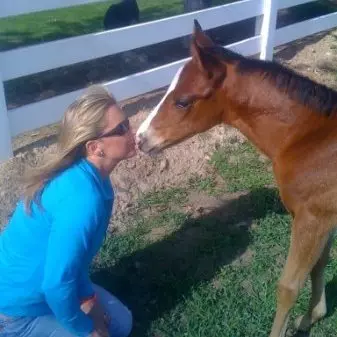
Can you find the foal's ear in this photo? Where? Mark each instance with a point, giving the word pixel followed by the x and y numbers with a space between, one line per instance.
pixel 202 53
pixel 200 38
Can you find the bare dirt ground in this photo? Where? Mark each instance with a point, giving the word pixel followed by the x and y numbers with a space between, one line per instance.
pixel 314 56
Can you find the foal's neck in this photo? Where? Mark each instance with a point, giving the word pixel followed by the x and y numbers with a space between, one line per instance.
pixel 264 114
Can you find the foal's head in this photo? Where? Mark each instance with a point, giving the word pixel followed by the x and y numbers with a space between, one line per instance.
pixel 192 103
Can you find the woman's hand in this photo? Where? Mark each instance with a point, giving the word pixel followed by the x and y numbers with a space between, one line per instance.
pixel 96 334
pixel 101 320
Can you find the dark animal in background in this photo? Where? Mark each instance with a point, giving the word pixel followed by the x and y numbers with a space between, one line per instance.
pixel 124 13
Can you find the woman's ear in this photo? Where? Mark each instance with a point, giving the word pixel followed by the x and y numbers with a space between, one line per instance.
pixel 91 147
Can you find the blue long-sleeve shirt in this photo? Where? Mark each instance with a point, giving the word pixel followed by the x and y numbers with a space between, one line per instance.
pixel 45 256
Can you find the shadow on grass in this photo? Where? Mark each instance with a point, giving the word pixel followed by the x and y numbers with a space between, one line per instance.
pixel 331 296
pixel 153 280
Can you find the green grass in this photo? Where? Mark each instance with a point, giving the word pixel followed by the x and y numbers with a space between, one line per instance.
pixel 73 21
pixel 214 275
pixel 241 168
pixel 164 197
pixel 203 184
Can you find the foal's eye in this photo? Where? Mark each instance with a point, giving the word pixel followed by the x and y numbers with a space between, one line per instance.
pixel 182 103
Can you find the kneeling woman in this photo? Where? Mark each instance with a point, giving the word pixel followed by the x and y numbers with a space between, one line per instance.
pixel 58 227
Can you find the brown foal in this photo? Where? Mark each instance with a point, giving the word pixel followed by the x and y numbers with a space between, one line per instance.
pixel 288 117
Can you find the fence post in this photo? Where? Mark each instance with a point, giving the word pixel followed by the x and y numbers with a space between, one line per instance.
pixel 268 28
pixel 6 151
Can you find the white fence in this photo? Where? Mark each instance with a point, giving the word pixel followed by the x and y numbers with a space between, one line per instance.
pixel 33 59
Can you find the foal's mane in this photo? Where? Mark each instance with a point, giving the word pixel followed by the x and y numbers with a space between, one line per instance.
pixel 298 87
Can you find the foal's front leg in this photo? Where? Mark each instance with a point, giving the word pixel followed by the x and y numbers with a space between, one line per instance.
pixel 305 250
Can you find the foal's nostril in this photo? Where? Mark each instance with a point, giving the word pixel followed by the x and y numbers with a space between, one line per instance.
pixel 142 143
pixel 140 139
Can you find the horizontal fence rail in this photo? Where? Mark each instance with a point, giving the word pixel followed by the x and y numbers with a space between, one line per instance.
pixel 31 60
pixel 305 28
pixel 50 110
pixel 47 56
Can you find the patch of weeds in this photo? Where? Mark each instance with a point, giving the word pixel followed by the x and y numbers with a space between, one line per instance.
pixel 203 184
pixel 182 276
pixel 241 167
pixel 239 300
pixel 164 197
pixel 169 218
pixel 117 246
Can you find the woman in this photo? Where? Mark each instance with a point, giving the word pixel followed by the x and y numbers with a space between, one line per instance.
pixel 58 227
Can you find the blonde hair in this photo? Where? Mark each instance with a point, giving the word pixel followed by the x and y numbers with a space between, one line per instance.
pixel 83 120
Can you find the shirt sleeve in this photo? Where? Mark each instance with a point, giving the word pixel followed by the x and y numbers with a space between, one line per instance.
pixel 74 224
pixel 85 288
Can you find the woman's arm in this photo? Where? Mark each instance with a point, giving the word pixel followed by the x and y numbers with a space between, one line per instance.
pixel 85 288
pixel 75 222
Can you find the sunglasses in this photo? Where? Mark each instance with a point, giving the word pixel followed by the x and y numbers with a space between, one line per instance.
pixel 120 130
